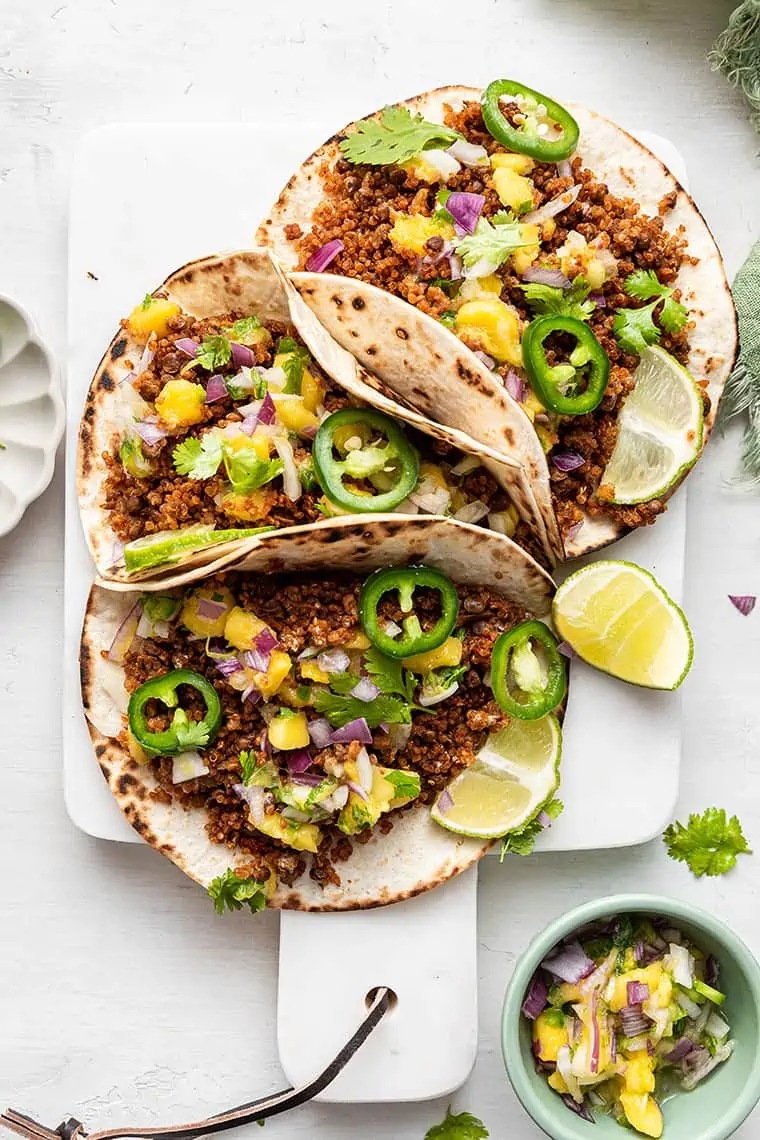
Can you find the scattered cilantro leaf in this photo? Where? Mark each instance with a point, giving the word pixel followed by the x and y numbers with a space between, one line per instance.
pixel 490 245
pixel 464 1126
pixel 244 331
pixel 339 709
pixel 449 287
pixel 709 844
pixel 448 318
pixel 441 214
pixel 295 359
pixel 198 458
pixel 635 328
pixel 229 891
pixel 308 476
pixel 215 352
pixel 247 472
pixel 522 840
pixel 504 218
pixel 572 302
pixel 393 137
pixel 623 935
pixel 147 301
pixel 407 784
pixel 343 683
pixel 189 733
pixel 389 675
pixel 673 315
pixel 248 764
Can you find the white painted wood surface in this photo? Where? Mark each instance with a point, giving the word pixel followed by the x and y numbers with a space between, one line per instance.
pixel 120 997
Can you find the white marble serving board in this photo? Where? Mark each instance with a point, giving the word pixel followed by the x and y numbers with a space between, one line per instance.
pixel 136 216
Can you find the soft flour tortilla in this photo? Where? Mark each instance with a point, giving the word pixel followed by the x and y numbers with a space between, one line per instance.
pixel 417 854
pixel 458 388
pixel 250 281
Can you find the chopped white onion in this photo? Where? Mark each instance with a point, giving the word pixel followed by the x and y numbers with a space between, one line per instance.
pixel 274 378
pixel 433 502
pixel 436 698
pixel 688 1006
pixel 465 465
pixel 471 512
pixel 717 1027
pixel 333 661
pixel 391 629
pixel 443 162
pixel 340 797
pixel 550 209
pixel 682 965
pixel 469 154
pixel 364 769
pixel 406 507
pixel 254 797
pixel 188 766
pixel 291 484
pixel 398 735
pixel 147 355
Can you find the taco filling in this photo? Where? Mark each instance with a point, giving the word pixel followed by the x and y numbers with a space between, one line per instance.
pixel 232 426
pixel 492 227
pixel 301 712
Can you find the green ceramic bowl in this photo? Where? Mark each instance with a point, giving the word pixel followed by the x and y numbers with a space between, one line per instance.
pixel 716 1108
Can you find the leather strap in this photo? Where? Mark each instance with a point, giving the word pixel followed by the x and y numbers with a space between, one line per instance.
pixel 253 1110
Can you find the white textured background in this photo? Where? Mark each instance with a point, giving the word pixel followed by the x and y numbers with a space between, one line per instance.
pixel 121 997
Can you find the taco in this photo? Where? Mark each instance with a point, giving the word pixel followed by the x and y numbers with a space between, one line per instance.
pixel 222 407
pixel 561 263
pixel 280 731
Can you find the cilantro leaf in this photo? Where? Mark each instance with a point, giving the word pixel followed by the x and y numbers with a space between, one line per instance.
pixel 198 458
pixel 247 472
pixel 464 1126
pixel 490 246
pixel 189 733
pixel 635 328
pixel 248 764
pixel 244 331
pixel 623 936
pixel 504 218
pixel 294 360
pixel 388 674
pixel 340 709
pixel 673 315
pixel 448 318
pixel 214 353
pixel 709 844
pixel 449 287
pixel 393 137
pixel 343 683
pixel 572 302
pixel 228 890
pixel 308 476
pixel 643 284
pixel 407 784
pixel 147 301
pixel 522 840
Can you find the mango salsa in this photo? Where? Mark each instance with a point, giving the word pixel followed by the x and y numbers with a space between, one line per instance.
pixel 489 324
pixel 411 231
pixel 152 316
pixel 181 403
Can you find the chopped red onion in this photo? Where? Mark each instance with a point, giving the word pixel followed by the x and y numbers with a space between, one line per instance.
pixel 564 168
pixel 150 433
pixel 484 358
pixel 308 779
pixel 317 262
pixel 712 971
pixel 241 355
pixel 637 992
pixel 298 760
pixel 365 690
pixel 469 154
pixel 465 209
pixel 536 997
pixel 358 790
pixel 228 665
pixel 573 531
pixel 125 635
pixel 634 1021
pixel 333 661
pixel 554 277
pixel 550 209
pixel 188 346
pixel 259 656
pixel 565 460
pixel 744 603
pixel 544 819
pixel 320 732
pixel 515 385
pixel 445 802
pixel 579 1109
pixel 682 1049
pixel 216 389
pixel 599 300
pixel 210 610
pixel 305 654
pixel 391 629
pixel 355 730
pixel 251 695
pixel 566 649
pixel 570 963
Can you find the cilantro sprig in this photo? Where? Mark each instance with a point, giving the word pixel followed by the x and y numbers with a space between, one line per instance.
pixel 233 893
pixel 394 137
pixel 295 359
pixel 490 246
pixel 340 709
pixel 189 733
pixel 244 331
pixel 201 459
pixel 463 1126
pixel 389 675
pixel 523 839
pixel 635 328
pixel 407 784
pixel 709 844
pixel 198 458
pixel 215 352
pixel 572 302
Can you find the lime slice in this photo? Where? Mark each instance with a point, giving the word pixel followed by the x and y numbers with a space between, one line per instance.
pixel 167 546
pixel 514 774
pixel 659 430
pixel 617 617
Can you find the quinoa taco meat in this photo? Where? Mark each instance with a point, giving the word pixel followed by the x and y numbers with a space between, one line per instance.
pixel 222 408
pixel 560 261
pixel 282 729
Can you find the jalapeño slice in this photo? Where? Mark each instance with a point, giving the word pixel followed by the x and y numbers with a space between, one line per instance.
pixel 547 132
pixel 538 691
pixel 390 467
pixel 182 733
pixel 571 388
pixel 404 580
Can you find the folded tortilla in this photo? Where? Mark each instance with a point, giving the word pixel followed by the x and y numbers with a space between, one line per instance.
pixel 417 854
pixel 399 343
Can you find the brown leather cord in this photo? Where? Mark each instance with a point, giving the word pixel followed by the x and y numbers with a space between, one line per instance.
pixel 247 1113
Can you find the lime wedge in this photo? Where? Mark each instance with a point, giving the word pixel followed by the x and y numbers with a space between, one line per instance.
pixel 618 618
pixel 514 774
pixel 659 430
pixel 168 546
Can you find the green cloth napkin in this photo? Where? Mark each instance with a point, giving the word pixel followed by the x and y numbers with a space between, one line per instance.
pixel 737 53
pixel 742 393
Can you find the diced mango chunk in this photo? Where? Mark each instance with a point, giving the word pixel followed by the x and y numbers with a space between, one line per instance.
pixel 639 1073
pixel 312 391
pixel 289 732
pixel 489 324
pixel 152 316
pixel 257 442
pixel 279 666
pixel 310 671
pixel 447 654
pixel 242 628
pixel 514 190
pixel 181 403
pixel 293 413
pixel 643 1113
pixel 550 1034
pixel 358 641
pixel 411 231
pixel 300 836
pixel 520 163
pixel 555 1081
pixel 208 620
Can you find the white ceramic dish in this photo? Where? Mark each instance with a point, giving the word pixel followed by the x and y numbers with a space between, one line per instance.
pixel 31 413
